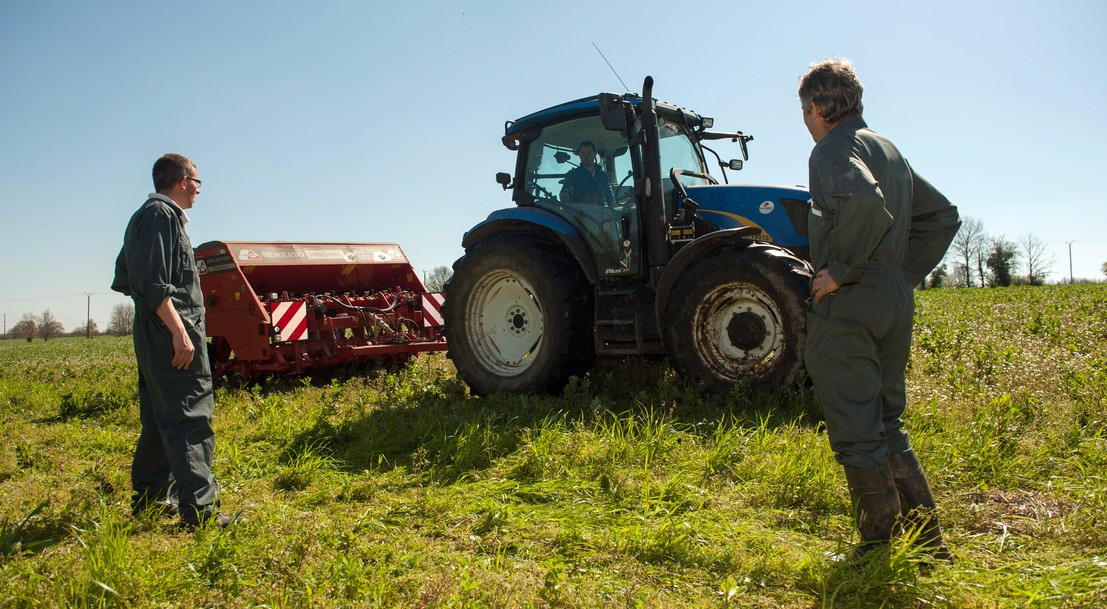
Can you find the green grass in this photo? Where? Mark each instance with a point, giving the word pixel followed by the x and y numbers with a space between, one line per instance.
pixel 398 489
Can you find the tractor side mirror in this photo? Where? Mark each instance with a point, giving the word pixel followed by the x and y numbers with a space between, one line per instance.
pixel 735 164
pixel 561 157
pixel 613 113
pixel 504 179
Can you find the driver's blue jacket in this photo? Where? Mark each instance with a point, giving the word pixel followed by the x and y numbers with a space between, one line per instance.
pixel 580 186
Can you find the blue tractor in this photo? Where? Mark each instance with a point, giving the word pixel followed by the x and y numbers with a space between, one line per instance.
pixel 621 244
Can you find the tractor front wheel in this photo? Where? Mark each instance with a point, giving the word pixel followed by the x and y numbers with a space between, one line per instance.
pixel 518 317
pixel 739 315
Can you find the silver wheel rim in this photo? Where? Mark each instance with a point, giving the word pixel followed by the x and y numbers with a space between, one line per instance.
pixel 738 332
pixel 505 323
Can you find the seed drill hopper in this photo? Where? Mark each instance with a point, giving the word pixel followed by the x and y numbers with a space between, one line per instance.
pixel 288 308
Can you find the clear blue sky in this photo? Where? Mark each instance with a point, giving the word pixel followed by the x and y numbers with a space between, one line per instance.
pixel 375 121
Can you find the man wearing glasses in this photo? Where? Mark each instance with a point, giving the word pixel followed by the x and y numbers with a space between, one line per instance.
pixel 171 471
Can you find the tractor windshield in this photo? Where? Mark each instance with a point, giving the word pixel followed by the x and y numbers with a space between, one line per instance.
pixel 679 151
pixel 584 173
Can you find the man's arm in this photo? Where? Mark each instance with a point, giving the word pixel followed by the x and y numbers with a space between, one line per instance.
pixel 183 351
pixel 934 223
pixel 608 194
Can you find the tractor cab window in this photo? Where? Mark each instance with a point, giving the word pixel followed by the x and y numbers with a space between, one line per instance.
pixel 583 172
pixel 677 150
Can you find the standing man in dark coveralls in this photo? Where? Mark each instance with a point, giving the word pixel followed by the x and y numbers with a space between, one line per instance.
pixel 877 229
pixel 156 268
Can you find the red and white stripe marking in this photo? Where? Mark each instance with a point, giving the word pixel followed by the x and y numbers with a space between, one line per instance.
pixel 432 309
pixel 291 319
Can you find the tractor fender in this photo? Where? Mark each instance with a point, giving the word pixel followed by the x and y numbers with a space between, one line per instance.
pixel 539 221
pixel 696 250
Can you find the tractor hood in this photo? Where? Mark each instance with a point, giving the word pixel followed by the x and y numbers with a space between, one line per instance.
pixel 777 210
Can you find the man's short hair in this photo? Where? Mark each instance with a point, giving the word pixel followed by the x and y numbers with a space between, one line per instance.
pixel 834 87
pixel 586 143
pixel 169 169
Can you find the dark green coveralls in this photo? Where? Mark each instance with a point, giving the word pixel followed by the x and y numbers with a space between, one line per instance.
pixel 175 447
pixel 879 229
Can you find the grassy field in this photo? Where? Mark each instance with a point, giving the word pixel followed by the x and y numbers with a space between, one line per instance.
pixel 398 489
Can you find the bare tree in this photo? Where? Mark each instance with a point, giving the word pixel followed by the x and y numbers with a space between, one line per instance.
pixel 958 274
pixel 48 325
pixel 967 247
pixel 439 275
pixel 1103 268
pixel 1038 262
pixel 25 328
pixel 85 330
pixel 122 319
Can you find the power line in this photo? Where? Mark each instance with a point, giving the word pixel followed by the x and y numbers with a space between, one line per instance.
pixel 56 297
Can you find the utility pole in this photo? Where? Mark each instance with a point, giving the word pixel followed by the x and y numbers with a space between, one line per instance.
pixel 1070 260
pixel 88 315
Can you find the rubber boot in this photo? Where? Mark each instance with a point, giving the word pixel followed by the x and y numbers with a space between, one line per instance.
pixel 875 507
pixel 917 503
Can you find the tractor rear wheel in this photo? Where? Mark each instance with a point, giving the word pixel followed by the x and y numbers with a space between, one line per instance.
pixel 518 316
pixel 739 315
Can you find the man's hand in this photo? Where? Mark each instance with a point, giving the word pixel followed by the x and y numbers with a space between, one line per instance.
pixel 183 351
pixel 823 284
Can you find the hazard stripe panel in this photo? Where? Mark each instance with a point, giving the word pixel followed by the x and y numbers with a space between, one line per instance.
pixel 432 309
pixel 291 319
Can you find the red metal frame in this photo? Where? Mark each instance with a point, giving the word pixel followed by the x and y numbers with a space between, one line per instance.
pixel 363 301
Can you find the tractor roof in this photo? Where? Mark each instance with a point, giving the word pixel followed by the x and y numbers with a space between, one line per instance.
pixel 585 107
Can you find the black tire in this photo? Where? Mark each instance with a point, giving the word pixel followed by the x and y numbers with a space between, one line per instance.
pixel 739 315
pixel 518 316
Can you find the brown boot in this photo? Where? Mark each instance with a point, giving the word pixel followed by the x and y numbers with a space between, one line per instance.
pixel 193 518
pixel 875 506
pixel 917 503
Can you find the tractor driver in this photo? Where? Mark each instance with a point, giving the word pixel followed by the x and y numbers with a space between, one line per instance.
pixel 587 183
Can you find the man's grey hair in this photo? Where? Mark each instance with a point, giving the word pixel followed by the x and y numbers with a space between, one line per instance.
pixel 834 87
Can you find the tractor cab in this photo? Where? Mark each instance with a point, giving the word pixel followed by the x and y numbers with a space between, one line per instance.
pixel 584 172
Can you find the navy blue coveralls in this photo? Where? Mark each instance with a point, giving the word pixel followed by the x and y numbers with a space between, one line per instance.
pixel 176 444
pixel 879 229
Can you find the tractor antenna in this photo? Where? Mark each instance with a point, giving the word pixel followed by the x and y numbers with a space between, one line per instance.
pixel 625 87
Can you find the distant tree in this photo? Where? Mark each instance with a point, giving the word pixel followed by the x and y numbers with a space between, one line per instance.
pixel 1038 262
pixel 958 275
pixel 938 276
pixel 439 275
pixel 122 319
pixel 1103 269
pixel 967 247
pixel 48 325
pixel 981 262
pixel 85 330
pixel 25 328
pixel 1001 261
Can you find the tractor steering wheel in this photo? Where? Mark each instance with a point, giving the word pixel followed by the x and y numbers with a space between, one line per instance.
pixel 621 197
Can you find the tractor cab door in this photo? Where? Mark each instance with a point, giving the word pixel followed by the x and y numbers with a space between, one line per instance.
pixel 583 172
pixel 678 151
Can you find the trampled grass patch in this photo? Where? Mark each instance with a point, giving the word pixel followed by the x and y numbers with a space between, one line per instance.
pixel 395 488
